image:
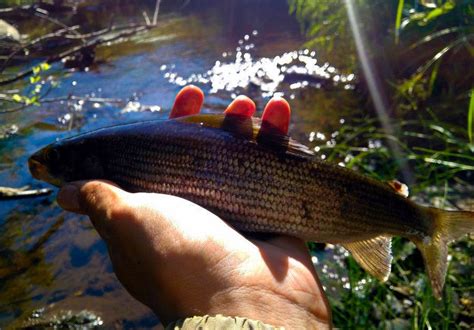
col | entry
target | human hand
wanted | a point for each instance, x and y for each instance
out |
(181, 260)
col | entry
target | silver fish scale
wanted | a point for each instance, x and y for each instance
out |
(253, 187)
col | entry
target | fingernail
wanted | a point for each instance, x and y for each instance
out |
(68, 197)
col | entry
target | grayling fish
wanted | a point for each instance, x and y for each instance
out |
(258, 181)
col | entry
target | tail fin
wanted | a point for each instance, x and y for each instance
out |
(447, 226)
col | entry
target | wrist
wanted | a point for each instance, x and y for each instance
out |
(268, 307)
(219, 322)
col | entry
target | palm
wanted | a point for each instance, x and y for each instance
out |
(197, 264)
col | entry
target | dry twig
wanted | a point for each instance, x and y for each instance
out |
(23, 192)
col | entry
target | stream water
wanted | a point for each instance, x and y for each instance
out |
(55, 260)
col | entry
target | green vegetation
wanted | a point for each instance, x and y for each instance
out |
(49, 38)
(470, 118)
(440, 180)
(36, 81)
(405, 301)
(424, 51)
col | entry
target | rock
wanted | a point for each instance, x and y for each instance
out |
(8, 31)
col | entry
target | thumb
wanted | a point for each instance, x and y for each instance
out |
(100, 200)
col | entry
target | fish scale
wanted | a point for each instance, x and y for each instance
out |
(258, 181)
(282, 192)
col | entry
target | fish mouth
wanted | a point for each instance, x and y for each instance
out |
(40, 171)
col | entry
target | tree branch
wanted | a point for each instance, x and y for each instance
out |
(157, 9)
(92, 43)
(23, 192)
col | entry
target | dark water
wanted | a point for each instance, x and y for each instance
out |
(53, 259)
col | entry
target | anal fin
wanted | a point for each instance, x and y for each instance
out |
(374, 255)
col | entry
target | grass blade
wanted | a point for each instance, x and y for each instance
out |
(398, 20)
(434, 74)
(470, 117)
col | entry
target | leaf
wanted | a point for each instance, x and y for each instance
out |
(37, 89)
(34, 100)
(434, 74)
(470, 118)
(34, 79)
(36, 70)
(45, 66)
(439, 34)
(433, 14)
(17, 98)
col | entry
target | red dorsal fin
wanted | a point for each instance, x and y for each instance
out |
(250, 129)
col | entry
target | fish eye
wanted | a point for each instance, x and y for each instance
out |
(53, 155)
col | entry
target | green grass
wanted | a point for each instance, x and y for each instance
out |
(398, 20)
(470, 118)
(440, 158)
(405, 301)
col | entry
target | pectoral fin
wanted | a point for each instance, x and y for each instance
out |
(374, 255)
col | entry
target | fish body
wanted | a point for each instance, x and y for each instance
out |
(257, 181)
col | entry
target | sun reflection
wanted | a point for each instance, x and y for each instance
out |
(373, 83)
(240, 69)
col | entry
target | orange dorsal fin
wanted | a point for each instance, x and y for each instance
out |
(250, 129)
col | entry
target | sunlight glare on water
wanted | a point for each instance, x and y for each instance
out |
(267, 74)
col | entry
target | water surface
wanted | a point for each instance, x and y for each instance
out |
(54, 259)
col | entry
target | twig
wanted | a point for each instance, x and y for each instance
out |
(96, 42)
(54, 21)
(157, 9)
(14, 109)
(114, 101)
(28, 9)
(185, 4)
(85, 99)
(147, 19)
(23, 192)
(14, 9)
(109, 29)
(32, 43)
(89, 44)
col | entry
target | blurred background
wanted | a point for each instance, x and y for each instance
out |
(383, 86)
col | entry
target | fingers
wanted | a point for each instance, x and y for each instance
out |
(100, 200)
(241, 106)
(188, 101)
(276, 116)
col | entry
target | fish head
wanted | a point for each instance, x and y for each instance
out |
(66, 161)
